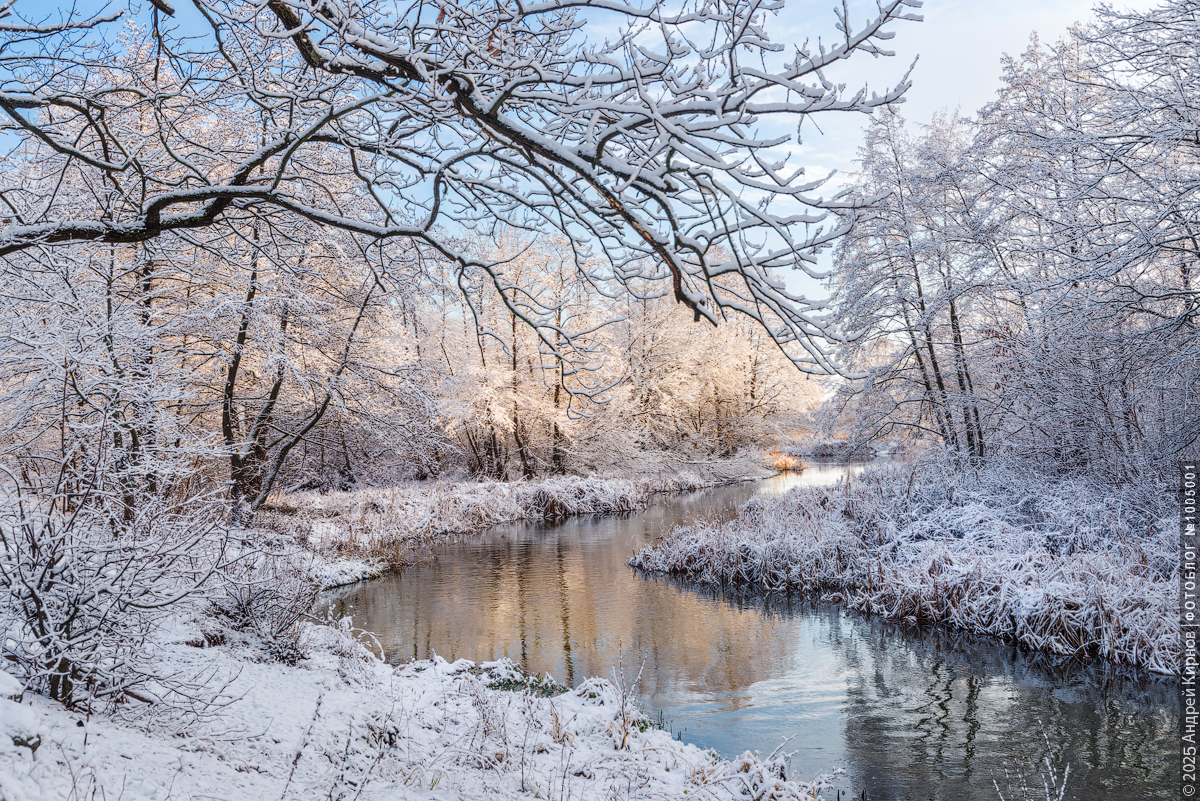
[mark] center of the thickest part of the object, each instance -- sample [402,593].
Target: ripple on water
[908,712]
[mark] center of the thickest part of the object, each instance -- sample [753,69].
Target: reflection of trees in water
[933,711]
[936,713]
[932,708]
[552,605]
[928,710]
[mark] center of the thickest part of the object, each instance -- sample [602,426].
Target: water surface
[907,712]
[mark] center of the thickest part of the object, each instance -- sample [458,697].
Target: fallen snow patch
[340,571]
[344,725]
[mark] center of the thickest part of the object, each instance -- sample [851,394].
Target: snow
[1060,565]
[17,722]
[338,572]
[9,686]
[343,724]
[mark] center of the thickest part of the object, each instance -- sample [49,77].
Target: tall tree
[1027,283]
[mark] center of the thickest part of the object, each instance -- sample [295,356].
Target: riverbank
[342,724]
[359,535]
[1059,565]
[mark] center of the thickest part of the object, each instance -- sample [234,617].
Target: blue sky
[960,44]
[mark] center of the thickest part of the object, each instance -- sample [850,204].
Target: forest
[296,292]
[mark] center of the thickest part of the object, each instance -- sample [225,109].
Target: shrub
[80,586]
[265,591]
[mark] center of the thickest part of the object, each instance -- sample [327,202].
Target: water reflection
[910,713]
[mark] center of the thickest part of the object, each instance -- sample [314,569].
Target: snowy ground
[370,527]
[341,724]
[337,571]
[1061,565]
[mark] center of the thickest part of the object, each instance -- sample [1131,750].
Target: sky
[958,49]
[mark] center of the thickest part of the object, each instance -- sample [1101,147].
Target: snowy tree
[1099,180]
[664,148]
[1028,283]
[908,277]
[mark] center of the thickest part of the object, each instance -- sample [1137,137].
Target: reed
[393,525]
[1059,565]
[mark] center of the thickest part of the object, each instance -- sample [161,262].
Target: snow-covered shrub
[347,726]
[265,591]
[80,588]
[387,525]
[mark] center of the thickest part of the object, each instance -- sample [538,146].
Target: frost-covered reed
[390,524]
[418,514]
[1058,564]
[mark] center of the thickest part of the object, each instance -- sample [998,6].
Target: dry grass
[785,462]
[393,525]
[1058,565]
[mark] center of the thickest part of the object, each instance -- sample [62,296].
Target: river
[907,712]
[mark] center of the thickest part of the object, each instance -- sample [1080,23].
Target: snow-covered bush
[265,591]
[346,725]
[80,588]
[388,524]
[1063,565]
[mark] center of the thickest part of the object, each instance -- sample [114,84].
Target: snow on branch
[666,147]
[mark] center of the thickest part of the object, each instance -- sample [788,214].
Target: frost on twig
[666,149]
